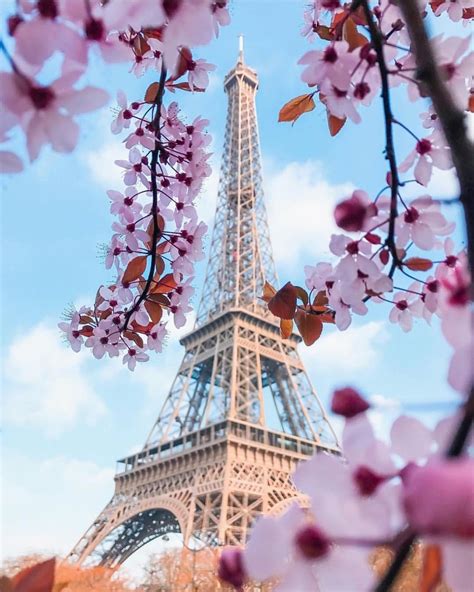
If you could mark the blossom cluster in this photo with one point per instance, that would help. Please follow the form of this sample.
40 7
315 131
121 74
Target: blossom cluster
156 239
146 33
382 257
357 503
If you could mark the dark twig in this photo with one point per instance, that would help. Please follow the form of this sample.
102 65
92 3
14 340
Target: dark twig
154 207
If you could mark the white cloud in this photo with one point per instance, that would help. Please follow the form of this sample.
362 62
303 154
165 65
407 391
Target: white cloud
341 353
300 203
51 501
101 163
46 385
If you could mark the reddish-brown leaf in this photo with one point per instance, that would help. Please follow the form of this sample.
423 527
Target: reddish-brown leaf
185 58
134 270
160 221
141 328
418 264
296 107
84 319
324 33
432 568
335 124
321 299
159 265
165 285
309 326
140 45
134 337
151 92
286 328
154 310
37 578
86 331
468 14
184 86
283 304
302 294
351 34
470 105
327 317
268 292
160 299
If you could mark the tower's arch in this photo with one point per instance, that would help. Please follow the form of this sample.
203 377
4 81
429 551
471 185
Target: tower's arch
124 528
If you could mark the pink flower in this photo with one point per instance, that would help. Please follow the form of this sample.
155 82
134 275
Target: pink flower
317 276
339 102
231 567
10 162
45 112
133 356
156 337
72 332
406 306
351 214
421 223
427 154
454 8
439 498
136 167
333 65
125 114
198 73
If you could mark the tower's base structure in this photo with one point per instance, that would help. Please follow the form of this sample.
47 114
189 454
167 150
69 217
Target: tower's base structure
241 413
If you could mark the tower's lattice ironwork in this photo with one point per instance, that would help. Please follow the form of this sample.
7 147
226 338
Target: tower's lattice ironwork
241 412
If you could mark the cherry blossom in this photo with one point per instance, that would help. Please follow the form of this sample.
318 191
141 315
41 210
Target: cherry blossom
45 112
427 153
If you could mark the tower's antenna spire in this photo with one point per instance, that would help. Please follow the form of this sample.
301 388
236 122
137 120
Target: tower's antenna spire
241 48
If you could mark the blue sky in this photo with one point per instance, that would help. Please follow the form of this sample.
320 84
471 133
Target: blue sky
68 417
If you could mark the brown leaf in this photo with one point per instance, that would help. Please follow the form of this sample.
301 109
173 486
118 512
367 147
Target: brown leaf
165 285
431 569
418 264
159 265
141 328
268 292
160 299
160 221
324 33
185 58
296 107
286 328
302 294
327 317
309 326
351 34
134 337
134 270
154 310
321 299
283 304
84 319
86 331
184 86
151 92
335 124
470 106
37 578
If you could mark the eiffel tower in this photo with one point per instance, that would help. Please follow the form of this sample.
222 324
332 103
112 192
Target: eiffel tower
241 413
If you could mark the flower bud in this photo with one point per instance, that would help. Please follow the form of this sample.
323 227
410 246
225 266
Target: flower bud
351 213
231 567
312 542
348 403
